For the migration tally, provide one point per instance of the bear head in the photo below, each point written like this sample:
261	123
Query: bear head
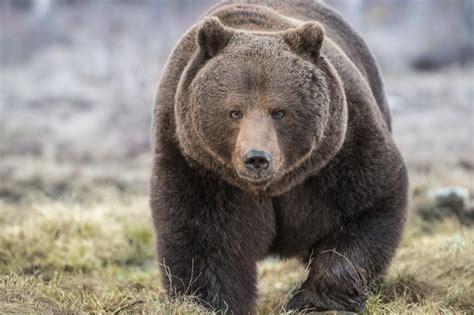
263	110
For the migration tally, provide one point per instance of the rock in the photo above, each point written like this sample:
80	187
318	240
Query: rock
453	198
449	201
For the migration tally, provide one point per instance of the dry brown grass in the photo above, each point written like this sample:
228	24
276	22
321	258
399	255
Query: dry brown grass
90	248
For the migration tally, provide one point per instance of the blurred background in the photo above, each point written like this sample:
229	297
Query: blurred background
78	78
77	83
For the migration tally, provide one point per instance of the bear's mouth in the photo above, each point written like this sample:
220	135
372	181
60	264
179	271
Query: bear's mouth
255	180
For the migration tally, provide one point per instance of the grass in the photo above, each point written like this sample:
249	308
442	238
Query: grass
75	233
70	254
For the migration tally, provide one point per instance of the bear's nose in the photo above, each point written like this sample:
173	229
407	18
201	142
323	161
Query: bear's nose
257	160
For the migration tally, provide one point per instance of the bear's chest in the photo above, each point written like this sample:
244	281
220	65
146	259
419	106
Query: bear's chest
302	217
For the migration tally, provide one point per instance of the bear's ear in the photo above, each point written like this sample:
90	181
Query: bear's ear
212	36
306	39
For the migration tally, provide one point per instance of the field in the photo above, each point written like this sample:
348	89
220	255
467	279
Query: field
77	239
76	88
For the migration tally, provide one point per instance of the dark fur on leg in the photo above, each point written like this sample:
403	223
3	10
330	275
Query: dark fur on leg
346	265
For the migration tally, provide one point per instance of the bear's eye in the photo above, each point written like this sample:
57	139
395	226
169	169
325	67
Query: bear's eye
278	114
236	114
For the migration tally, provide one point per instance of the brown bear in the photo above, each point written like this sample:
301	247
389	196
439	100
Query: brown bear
271	136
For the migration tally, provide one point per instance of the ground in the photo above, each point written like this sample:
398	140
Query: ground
76	92
77	239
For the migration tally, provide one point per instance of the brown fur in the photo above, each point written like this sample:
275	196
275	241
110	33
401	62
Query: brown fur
334	190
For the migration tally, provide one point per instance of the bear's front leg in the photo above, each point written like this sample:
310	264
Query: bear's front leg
209	236
345	265
213	278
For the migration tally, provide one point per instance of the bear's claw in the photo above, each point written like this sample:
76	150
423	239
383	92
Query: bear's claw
314	303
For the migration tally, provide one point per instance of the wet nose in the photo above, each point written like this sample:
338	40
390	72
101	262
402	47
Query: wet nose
257	160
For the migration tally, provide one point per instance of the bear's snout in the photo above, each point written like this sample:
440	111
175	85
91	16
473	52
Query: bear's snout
256	155
257	161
